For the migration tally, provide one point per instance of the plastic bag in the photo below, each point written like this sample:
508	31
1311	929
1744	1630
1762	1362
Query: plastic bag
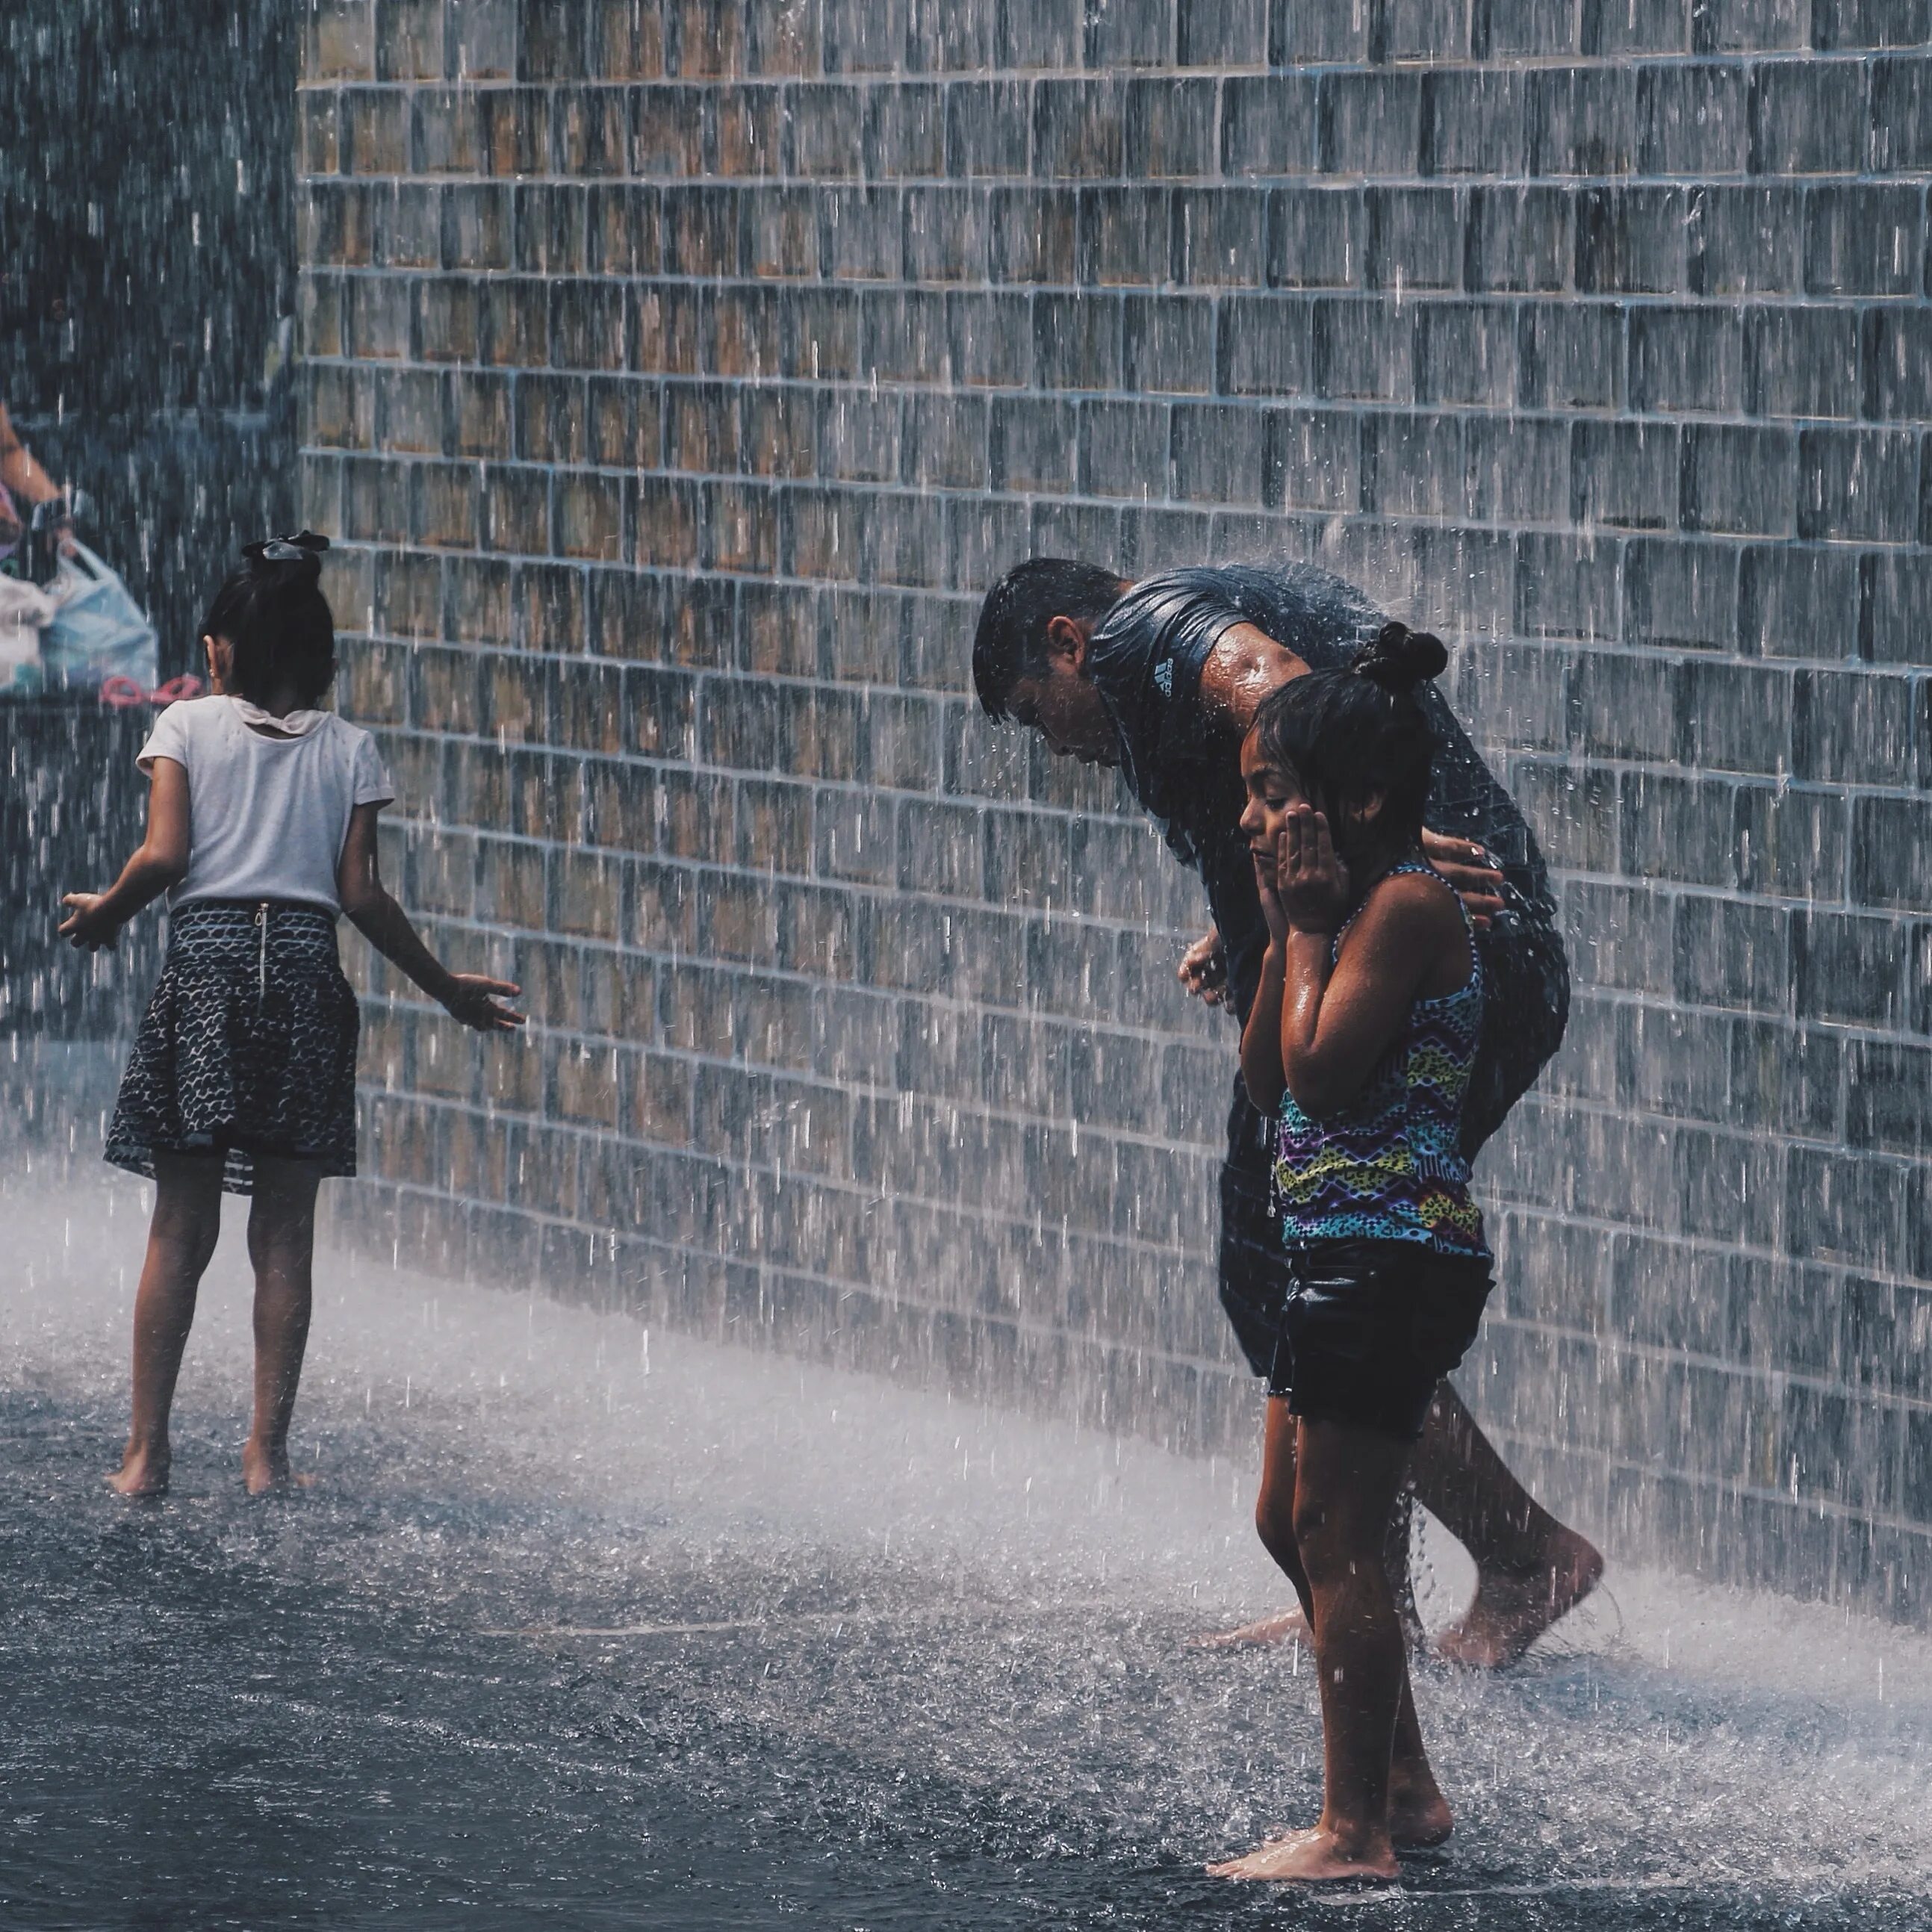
25	610
97	630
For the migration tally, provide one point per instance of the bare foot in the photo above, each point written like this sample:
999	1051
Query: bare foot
1316	1858
265	1472
1513	1608
143	1475
1288	1626
1419	1815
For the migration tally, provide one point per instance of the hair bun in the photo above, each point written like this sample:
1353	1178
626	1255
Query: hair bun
1399	659
293	562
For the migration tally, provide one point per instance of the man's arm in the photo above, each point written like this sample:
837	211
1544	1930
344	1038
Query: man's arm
1244	666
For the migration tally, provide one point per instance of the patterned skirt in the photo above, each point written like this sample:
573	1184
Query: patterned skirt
247	1048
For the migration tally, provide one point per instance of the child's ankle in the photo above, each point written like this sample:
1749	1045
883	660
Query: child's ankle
1356	1837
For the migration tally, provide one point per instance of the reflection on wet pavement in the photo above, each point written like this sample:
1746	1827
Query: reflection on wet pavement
578	1628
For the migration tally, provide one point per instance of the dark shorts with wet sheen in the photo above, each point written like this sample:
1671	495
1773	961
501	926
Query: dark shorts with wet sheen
1522	1026
1369	1328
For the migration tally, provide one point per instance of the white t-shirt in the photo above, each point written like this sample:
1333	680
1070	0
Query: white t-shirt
268	816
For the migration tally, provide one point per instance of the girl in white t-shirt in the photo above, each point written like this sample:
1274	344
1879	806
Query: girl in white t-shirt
261	830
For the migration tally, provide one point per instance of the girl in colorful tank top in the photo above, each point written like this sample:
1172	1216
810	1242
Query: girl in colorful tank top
1387	1166
1360	1042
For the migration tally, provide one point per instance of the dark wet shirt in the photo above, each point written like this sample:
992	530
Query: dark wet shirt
1184	766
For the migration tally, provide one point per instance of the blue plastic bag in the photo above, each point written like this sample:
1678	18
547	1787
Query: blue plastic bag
98	631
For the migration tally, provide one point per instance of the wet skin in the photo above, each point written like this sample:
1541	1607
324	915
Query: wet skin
1531	1569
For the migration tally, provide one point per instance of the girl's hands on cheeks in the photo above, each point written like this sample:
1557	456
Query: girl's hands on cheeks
1311	882
1266	883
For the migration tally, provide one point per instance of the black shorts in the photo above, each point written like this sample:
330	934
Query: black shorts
1369	1328
1524	1014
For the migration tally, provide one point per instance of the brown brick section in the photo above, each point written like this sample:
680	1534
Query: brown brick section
677	376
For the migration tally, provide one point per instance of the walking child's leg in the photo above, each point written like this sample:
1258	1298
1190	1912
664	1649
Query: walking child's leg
1532	1570
181	1241
1345	1482
281	1245
1274	1501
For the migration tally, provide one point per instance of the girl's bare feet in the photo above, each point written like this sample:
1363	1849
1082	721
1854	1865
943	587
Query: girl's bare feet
1288	1626
265	1472
143	1475
1513	1608
1316	1857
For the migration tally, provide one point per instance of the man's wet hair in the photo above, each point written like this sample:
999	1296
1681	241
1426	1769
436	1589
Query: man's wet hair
1010	643
1342	734
270	609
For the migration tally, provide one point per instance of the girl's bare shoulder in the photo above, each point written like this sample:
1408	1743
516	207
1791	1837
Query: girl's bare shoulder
1414	908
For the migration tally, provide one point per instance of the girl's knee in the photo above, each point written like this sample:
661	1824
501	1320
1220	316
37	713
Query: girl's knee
190	1227
1274	1524
1322	1534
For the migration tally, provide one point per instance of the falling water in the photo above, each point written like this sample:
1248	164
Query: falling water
775	1428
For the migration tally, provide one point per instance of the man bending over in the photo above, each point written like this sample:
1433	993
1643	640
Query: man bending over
1162	678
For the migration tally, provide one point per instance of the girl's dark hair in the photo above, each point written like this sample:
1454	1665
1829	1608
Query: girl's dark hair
1343	734
270	609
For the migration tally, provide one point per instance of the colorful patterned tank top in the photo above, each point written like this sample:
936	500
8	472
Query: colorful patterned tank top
1387	1167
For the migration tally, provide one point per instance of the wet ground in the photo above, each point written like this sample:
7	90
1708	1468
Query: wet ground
578	1627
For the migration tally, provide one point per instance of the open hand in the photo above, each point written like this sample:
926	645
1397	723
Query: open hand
85	927
476	1000
1471	870
1204	969
1311	882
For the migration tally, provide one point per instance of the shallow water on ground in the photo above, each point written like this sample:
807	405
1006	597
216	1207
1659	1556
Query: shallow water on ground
579	1626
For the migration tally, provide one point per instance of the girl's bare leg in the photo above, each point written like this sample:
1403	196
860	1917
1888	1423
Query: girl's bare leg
281	1245
1274	1503
1418	1813
1345	1482
181	1241
1532	1571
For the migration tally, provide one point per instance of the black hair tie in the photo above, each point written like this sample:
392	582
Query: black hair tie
1400	658
304	547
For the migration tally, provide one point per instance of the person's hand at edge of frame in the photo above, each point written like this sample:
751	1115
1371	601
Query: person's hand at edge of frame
476	1000
83	927
1472	869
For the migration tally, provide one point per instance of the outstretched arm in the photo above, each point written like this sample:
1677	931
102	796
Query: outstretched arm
94	919
470	997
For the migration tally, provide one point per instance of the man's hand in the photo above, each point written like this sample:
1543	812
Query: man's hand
1471	869
475	999
1203	969
1311	880
85	926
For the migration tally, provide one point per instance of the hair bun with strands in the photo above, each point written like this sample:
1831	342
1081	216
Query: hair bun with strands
294	561
1400	658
